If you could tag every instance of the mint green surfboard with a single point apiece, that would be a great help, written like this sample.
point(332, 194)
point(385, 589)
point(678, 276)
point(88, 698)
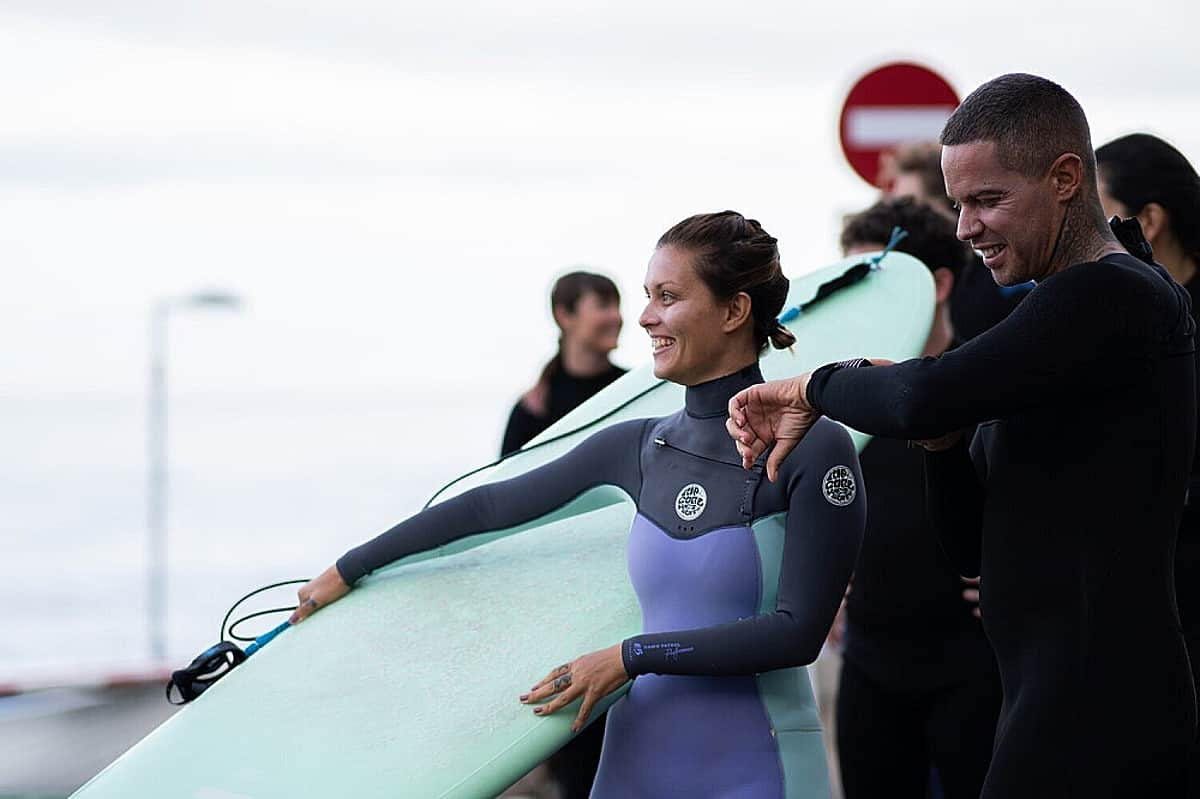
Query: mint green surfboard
point(408, 686)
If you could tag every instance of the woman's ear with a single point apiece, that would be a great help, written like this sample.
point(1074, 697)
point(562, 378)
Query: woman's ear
point(943, 284)
point(737, 312)
point(1153, 219)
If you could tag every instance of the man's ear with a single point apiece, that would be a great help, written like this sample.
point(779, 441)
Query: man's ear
point(943, 284)
point(1066, 176)
point(737, 311)
point(1153, 219)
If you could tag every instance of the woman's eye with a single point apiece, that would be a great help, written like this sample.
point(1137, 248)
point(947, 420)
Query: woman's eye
point(667, 296)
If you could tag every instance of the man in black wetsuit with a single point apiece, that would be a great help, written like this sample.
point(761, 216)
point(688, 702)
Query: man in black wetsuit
point(1087, 399)
point(919, 685)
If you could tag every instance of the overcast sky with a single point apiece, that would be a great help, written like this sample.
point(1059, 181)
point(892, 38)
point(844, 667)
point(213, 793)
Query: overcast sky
point(385, 183)
point(392, 187)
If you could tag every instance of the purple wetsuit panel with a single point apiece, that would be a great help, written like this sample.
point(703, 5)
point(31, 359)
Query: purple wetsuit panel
point(668, 724)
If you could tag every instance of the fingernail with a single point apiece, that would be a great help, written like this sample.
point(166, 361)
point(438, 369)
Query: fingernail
point(524, 697)
point(537, 711)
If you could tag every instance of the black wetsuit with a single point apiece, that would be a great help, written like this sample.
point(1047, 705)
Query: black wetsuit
point(565, 394)
point(574, 766)
point(919, 683)
point(977, 303)
point(1091, 383)
point(738, 579)
point(1187, 558)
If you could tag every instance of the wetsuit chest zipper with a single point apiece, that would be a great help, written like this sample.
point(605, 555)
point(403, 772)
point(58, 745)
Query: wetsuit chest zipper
point(753, 476)
point(662, 444)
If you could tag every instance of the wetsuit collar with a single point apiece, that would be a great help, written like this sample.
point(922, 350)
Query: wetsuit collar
point(710, 399)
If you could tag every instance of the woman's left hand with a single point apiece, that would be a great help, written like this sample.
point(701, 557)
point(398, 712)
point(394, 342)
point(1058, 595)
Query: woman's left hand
point(592, 676)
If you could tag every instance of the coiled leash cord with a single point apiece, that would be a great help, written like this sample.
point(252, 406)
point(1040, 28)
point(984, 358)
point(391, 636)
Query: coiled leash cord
point(221, 658)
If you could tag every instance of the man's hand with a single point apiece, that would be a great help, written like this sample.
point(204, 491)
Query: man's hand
point(970, 595)
point(837, 631)
point(593, 676)
point(940, 444)
point(770, 413)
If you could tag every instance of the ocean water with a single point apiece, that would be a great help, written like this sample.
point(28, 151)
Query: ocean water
point(263, 487)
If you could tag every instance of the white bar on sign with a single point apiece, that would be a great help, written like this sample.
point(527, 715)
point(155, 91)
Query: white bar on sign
point(870, 127)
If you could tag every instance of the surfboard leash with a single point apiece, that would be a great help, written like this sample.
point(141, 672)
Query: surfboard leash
point(848, 278)
point(221, 658)
point(545, 443)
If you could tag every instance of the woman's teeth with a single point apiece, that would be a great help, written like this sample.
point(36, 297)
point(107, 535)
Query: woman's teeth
point(658, 343)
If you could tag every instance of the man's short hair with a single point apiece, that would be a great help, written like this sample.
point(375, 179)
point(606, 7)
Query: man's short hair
point(1031, 120)
point(930, 234)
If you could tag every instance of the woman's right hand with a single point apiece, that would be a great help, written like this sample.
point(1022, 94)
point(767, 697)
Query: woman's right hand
point(323, 590)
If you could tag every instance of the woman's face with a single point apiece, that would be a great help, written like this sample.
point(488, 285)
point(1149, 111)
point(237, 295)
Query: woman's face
point(595, 323)
point(685, 321)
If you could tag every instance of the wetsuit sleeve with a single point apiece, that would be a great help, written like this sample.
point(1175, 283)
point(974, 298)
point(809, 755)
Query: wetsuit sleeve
point(610, 457)
point(1084, 330)
point(954, 496)
point(820, 546)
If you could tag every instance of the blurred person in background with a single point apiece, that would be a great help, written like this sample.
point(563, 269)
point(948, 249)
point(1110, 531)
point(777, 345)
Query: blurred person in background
point(919, 687)
point(977, 302)
point(587, 310)
point(1142, 176)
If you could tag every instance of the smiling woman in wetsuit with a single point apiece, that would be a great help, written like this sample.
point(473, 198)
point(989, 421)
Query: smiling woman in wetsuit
point(738, 578)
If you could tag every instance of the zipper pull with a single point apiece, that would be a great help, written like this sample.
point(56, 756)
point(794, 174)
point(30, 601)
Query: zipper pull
point(660, 442)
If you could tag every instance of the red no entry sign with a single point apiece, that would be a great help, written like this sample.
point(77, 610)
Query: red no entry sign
point(894, 104)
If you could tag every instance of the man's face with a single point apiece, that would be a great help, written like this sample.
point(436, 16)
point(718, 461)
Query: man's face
point(1011, 219)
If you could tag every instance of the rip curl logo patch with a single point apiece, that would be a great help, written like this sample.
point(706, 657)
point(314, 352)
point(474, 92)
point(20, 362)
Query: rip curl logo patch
point(690, 502)
point(838, 486)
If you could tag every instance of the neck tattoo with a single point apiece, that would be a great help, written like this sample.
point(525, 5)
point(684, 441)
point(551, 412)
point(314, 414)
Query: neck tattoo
point(1079, 240)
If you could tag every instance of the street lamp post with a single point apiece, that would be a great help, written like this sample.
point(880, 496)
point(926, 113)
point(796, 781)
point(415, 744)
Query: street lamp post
point(156, 439)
